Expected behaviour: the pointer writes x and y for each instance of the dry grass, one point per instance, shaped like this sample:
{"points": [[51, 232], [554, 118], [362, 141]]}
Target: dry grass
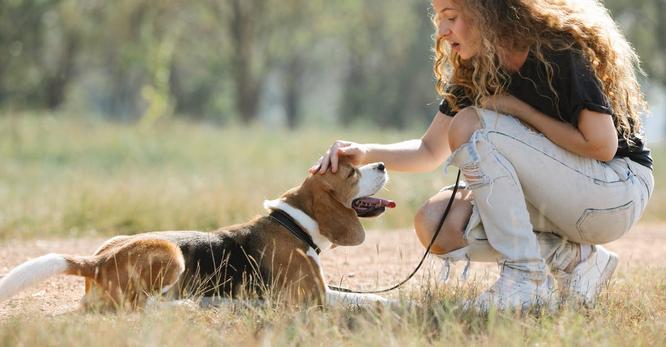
{"points": [[65, 184], [632, 311]]}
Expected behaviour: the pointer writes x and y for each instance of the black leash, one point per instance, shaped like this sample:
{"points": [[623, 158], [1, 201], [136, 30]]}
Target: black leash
{"points": [[439, 228]]}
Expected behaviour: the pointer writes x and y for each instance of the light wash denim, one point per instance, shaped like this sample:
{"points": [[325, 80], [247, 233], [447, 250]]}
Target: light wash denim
{"points": [[534, 202]]}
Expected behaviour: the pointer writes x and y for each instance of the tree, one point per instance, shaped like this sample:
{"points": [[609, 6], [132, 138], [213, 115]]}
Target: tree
{"points": [[296, 37], [61, 71], [644, 24], [24, 58], [388, 46], [263, 36]]}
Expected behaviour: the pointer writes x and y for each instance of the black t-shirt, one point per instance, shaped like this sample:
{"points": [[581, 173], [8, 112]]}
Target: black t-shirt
{"points": [[577, 88]]}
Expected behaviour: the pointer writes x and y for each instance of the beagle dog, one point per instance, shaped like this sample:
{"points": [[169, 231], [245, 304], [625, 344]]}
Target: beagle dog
{"points": [[273, 256]]}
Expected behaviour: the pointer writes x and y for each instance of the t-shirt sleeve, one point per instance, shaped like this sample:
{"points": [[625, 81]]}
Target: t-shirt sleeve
{"points": [[447, 109], [585, 88]]}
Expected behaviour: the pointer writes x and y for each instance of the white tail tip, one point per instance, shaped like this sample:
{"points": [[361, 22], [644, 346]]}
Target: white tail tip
{"points": [[30, 273]]}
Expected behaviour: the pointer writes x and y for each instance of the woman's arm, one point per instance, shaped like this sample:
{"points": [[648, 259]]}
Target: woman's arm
{"points": [[594, 138], [417, 155]]}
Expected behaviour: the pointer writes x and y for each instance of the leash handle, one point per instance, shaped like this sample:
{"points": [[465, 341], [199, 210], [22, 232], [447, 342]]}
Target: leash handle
{"points": [[434, 237]]}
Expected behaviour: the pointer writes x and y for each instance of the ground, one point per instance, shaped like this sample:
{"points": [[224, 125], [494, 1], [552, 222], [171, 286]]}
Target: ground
{"points": [[383, 259]]}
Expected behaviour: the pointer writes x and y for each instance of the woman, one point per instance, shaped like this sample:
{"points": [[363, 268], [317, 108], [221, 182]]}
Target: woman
{"points": [[540, 112]]}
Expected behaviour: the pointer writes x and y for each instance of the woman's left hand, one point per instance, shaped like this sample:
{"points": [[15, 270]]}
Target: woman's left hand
{"points": [[505, 104], [594, 137], [509, 105]]}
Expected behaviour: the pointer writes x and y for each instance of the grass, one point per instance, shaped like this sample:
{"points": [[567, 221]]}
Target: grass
{"points": [[626, 317], [63, 177], [71, 177]]}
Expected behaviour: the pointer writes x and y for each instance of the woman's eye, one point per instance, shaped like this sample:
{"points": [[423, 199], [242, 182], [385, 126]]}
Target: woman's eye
{"points": [[451, 19]]}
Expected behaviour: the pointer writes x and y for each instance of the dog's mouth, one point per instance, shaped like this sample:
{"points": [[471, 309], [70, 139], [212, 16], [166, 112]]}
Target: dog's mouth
{"points": [[371, 207]]}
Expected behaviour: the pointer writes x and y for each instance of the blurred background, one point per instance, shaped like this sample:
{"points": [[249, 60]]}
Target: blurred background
{"points": [[130, 115], [286, 62]]}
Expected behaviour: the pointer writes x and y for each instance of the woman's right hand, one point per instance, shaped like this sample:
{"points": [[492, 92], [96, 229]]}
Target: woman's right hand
{"points": [[355, 151]]}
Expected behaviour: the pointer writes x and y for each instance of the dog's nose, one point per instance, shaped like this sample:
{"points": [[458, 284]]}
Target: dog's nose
{"points": [[381, 167]]}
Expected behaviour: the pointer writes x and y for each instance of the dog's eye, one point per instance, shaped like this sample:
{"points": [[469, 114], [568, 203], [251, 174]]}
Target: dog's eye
{"points": [[351, 173]]}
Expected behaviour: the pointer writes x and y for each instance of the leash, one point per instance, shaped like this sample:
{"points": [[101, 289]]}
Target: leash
{"points": [[439, 228]]}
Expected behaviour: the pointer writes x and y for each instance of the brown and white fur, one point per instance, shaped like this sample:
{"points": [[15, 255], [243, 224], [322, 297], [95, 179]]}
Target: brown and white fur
{"points": [[255, 259]]}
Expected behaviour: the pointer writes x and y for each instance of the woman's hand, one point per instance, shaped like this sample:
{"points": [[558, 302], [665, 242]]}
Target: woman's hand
{"points": [[357, 153], [595, 136], [505, 104], [509, 105]]}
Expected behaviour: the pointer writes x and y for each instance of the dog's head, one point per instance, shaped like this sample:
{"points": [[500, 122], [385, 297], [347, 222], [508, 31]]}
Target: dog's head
{"points": [[336, 200]]}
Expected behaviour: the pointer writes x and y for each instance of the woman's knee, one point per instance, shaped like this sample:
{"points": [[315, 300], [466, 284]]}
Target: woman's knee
{"points": [[425, 224], [463, 125], [424, 221], [429, 216]]}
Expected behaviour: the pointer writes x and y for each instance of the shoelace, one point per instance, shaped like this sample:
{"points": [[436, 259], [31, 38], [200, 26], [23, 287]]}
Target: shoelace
{"points": [[446, 269]]}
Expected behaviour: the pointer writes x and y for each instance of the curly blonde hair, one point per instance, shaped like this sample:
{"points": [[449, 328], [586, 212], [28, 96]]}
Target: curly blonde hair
{"points": [[535, 25]]}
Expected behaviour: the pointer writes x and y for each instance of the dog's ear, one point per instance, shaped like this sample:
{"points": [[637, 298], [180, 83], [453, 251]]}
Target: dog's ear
{"points": [[337, 222]]}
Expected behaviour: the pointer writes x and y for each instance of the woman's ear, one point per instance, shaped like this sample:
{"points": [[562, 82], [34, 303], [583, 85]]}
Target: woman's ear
{"points": [[336, 222]]}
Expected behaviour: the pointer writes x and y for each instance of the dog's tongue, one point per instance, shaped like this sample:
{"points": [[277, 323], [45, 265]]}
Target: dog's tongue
{"points": [[371, 207]]}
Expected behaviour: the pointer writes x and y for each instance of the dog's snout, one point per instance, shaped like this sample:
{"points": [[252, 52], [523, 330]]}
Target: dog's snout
{"points": [[381, 167]]}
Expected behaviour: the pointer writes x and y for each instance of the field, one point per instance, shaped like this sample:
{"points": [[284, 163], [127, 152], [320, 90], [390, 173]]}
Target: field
{"points": [[66, 184]]}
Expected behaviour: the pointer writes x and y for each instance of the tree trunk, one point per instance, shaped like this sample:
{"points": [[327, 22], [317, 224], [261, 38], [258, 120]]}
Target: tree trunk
{"points": [[3, 92], [56, 85], [354, 87], [247, 85], [293, 92], [661, 33]]}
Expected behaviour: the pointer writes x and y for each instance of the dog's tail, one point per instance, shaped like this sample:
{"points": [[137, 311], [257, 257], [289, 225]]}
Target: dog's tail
{"points": [[39, 269]]}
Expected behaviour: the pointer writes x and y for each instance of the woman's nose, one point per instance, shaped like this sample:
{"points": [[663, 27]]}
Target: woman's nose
{"points": [[444, 30]]}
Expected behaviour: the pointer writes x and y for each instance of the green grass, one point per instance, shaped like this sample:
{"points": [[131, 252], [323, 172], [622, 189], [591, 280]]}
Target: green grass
{"points": [[69, 177]]}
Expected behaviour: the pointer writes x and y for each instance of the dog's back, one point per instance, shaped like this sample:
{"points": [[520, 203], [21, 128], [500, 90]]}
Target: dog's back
{"points": [[236, 261], [224, 263]]}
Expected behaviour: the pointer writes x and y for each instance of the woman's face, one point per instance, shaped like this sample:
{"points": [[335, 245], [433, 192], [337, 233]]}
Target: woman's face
{"points": [[463, 38]]}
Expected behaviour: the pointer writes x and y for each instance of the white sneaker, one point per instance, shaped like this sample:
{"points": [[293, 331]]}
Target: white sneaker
{"points": [[588, 277], [518, 290]]}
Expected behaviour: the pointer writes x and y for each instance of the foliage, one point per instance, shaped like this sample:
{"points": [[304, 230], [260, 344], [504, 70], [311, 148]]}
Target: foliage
{"points": [[644, 22], [242, 61], [144, 59]]}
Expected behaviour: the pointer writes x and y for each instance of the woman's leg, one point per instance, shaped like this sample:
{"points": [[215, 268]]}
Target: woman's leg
{"points": [[507, 165], [585, 200], [462, 236], [451, 237], [498, 196]]}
